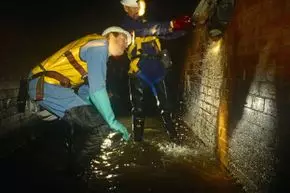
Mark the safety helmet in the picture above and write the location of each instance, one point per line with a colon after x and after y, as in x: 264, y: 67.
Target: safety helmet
x: 119, y: 30
x: 130, y: 3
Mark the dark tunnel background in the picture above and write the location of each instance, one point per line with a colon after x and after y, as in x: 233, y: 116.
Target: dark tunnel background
x: 32, y: 31
x: 227, y: 114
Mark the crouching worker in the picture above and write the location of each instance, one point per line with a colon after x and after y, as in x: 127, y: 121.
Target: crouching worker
x: 71, y: 84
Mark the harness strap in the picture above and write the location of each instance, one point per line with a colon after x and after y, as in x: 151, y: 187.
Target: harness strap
x: 40, y: 89
x: 75, y: 64
x: 147, y: 56
x: 138, y: 43
x: 64, y: 81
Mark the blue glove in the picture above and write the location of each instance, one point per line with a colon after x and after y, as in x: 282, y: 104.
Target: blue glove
x: 101, y: 100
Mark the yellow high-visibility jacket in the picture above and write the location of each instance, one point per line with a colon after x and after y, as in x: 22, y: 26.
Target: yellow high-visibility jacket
x: 67, y: 62
x: 135, y: 50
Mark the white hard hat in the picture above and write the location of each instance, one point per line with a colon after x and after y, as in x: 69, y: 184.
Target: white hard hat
x: 119, y: 30
x: 130, y: 3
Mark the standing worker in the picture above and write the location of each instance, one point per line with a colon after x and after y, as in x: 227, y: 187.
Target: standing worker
x: 71, y: 84
x: 147, y: 67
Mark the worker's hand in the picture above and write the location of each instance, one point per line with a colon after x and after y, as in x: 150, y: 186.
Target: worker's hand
x: 119, y: 127
x: 181, y: 23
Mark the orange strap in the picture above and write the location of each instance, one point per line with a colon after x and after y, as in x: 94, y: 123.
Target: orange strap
x: 64, y: 81
x: 75, y: 64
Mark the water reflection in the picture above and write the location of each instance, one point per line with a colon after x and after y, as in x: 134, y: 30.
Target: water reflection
x: 154, y: 165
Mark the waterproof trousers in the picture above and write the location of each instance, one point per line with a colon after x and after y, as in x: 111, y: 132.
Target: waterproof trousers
x: 88, y: 131
x: 87, y: 128
x: 136, y: 89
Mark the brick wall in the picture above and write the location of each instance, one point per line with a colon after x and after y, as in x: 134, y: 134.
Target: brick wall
x: 237, y: 92
x: 13, y: 114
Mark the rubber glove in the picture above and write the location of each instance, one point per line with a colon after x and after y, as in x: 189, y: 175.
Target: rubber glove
x: 181, y: 23
x: 101, y: 100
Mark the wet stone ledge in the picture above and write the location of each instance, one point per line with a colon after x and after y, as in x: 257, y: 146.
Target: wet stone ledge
x: 14, y: 112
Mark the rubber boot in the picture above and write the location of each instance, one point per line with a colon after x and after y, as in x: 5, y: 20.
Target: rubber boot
x: 138, y: 128
x: 169, y: 127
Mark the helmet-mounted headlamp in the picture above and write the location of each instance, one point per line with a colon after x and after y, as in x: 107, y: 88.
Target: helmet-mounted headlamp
x: 142, y: 7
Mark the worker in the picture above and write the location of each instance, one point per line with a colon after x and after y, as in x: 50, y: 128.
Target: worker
x: 149, y: 63
x: 71, y: 84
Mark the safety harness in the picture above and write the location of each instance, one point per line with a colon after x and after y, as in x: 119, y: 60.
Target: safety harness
x: 64, y: 81
x: 135, y: 51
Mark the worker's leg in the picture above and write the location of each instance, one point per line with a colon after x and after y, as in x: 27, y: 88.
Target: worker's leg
x: 136, y: 89
x: 164, y: 106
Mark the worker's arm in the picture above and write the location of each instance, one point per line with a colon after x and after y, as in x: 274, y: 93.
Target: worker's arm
x: 95, y: 53
x: 162, y: 30
x: 166, y: 30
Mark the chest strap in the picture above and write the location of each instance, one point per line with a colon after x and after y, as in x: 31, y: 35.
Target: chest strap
x: 75, y: 64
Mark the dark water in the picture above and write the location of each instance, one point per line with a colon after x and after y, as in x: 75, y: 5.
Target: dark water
x: 155, y: 165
